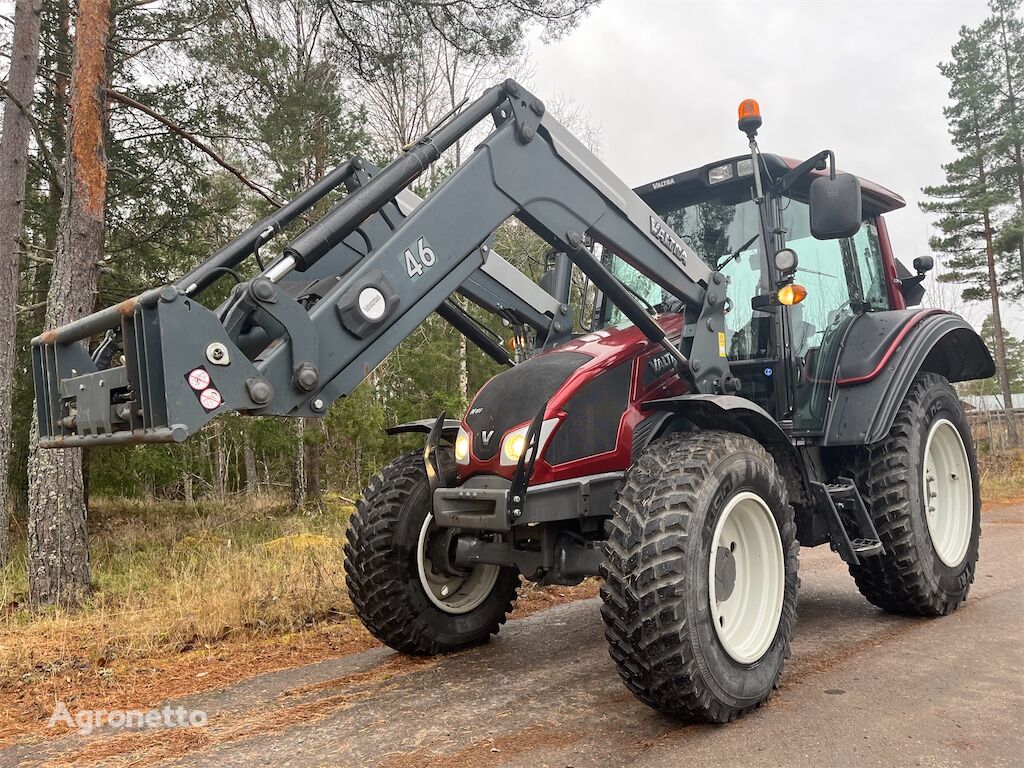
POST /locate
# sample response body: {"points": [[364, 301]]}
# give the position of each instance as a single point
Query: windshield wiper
{"points": [[642, 299], [736, 253]]}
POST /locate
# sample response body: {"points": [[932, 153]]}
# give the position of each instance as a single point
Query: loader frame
{"points": [[373, 268]]}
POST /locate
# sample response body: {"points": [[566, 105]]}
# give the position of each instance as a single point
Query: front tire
{"points": [[701, 576], [402, 589], [921, 487]]}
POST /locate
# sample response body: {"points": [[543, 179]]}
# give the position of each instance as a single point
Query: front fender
{"points": [[880, 360], [423, 426], [728, 412], [734, 414]]}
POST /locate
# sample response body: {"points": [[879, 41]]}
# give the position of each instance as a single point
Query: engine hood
{"points": [[513, 398]]}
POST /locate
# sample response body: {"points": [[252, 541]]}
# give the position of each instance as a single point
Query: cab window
{"points": [[727, 237], [841, 276]]}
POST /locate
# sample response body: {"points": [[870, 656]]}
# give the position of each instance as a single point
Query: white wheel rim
{"points": [[746, 578], [452, 594], [948, 492]]}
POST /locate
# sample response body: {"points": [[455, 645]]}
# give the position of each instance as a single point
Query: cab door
{"points": [[844, 279]]}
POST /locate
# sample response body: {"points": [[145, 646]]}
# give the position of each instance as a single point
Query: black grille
{"points": [[593, 416], [515, 396]]}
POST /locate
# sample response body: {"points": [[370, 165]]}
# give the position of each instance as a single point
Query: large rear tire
{"points": [[401, 584], [701, 576], [921, 487]]}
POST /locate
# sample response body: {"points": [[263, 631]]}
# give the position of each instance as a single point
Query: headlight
{"points": [[745, 167], [514, 444], [462, 447], [786, 260], [513, 447]]}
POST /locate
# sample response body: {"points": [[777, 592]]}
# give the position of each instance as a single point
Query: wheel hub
{"points": [[948, 492], [440, 546], [725, 574], [746, 578], [452, 590]]}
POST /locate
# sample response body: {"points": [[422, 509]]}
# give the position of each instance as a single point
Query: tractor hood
{"points": [[587, 385]]}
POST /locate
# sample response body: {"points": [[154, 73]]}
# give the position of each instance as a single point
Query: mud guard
{"points": [[734, 414], [881, 356], [423, 426], [728, 412]]}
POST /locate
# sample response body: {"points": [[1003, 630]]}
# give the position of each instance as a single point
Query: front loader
{"points": [[751, 376]]}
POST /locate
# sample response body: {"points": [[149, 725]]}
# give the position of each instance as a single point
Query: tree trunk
{"points": [[993, 286], [252, 479], [314, 449], [58, 554], [299, 465], [220, 472], [17, 128], [997, 332]]}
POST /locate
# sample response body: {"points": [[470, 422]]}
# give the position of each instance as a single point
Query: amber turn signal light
{"points": [[792, 294]]}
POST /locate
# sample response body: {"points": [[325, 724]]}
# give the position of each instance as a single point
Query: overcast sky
{"points": [[661, 79]]}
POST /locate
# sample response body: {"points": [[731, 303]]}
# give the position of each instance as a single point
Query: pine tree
{"points": [[14, 146], [58, 548], [1003, 40], [967, 204]]}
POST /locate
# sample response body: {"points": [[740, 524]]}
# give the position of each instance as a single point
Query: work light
{"points": [[720, 173]]}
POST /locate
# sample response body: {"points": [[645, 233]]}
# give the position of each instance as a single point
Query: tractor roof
{"points": [[694, 184]]}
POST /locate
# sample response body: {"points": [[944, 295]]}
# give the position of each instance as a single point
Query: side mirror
{"points": [[835, 207], [924, 264]]}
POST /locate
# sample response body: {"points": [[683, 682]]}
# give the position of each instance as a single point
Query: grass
{"points": [[167, 578], [1002, 476], [186, 600]]}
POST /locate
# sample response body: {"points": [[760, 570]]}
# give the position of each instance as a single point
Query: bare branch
{"points": [[51, 164], [194, 141]]}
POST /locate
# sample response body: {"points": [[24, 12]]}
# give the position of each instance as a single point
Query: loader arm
{"points": [[372, 269]]}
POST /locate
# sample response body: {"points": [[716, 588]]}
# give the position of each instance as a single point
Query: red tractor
{"points": [[598, 457], [749, 379]]}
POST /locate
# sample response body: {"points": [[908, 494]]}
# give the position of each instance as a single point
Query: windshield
{"points": [[727, 237]]}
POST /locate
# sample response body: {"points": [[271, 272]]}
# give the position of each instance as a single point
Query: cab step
{"points": [[851, 531]]}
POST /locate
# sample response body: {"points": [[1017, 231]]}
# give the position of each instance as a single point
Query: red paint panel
{"points": [[896, 300], [609, 349]]}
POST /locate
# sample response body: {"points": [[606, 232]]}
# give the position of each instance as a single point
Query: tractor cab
{"points": [[781, 345]]}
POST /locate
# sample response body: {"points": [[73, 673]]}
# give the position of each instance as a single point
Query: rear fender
{"points": [[881, 357]]}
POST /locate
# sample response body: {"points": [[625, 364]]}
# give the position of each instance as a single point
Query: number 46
{"points": [[413, 265]]}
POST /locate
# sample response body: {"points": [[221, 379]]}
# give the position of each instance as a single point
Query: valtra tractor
{"points": [[747, 374]]}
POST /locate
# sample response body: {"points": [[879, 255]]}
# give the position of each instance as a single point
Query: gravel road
{"points": [[862, 688]]}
